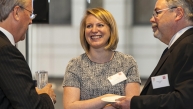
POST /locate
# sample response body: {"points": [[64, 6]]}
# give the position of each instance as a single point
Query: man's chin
{"points": [[23, 38], [156, 35]]}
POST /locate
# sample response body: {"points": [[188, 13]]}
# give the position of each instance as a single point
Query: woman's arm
{"points": [[71, 100], [132, 89]]}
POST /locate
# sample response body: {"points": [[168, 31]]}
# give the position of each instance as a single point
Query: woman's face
{"points": [[97, 33]]}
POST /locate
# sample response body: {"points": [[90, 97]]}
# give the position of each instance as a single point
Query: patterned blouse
{"points": [[91, 77]]}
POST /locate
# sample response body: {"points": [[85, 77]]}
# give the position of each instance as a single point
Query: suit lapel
{"points": [[165, 56], [159, 65]]}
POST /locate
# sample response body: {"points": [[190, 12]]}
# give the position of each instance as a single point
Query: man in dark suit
{"points": [[17, 89], [170, 86]]}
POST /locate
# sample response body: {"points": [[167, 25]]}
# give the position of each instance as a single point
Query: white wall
{"points": [[52, 46]]}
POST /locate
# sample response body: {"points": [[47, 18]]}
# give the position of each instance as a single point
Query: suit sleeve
{"points": [[16, 82], [181, 94]]}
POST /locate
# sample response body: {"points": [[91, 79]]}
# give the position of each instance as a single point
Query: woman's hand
{"points": [[109, 106]]}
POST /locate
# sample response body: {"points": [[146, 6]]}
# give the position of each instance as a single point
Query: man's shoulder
{"points": [[3, 41]]}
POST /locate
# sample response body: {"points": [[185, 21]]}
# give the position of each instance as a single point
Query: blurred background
{"points": [[53, 38]]}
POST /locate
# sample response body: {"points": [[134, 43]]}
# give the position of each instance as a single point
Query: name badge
{"points": [[160, 81], [117, 78]]}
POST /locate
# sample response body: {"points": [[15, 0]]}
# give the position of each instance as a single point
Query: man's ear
{"points": [[179, 13], [16, 12]]}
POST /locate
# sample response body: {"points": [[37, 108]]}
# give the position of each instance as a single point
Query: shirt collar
{"points": [[178, 34], [8, 35]]}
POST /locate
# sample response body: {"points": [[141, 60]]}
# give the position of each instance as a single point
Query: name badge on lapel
{"points": [[117, 78], [160, 81]]}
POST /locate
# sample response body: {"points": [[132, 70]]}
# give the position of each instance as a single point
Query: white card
{"points": [[117, 78], [160, 81]]}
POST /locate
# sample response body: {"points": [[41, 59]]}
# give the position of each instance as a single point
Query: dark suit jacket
{"points": [[17, 89], [177, 62]]}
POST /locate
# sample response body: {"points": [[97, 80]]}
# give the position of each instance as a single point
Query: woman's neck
{"points": [[100, 56]]}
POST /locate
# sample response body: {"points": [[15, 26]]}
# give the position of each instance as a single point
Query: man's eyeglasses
{"points": [[32, 15], [156, 12]]}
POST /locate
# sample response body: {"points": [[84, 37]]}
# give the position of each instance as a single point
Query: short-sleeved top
{"points": [[91, 77]]}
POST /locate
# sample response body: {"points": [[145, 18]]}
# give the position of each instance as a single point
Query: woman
{"points": [[88, 77]]}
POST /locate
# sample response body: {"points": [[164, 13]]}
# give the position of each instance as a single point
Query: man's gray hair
{"points": [[6, 6], [187, 5]]}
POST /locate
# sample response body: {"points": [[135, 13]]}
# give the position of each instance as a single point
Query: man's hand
{"points": [[48, 90], [122, 103]]}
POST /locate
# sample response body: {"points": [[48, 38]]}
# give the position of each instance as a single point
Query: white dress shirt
{"points": [[177, 35]]}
